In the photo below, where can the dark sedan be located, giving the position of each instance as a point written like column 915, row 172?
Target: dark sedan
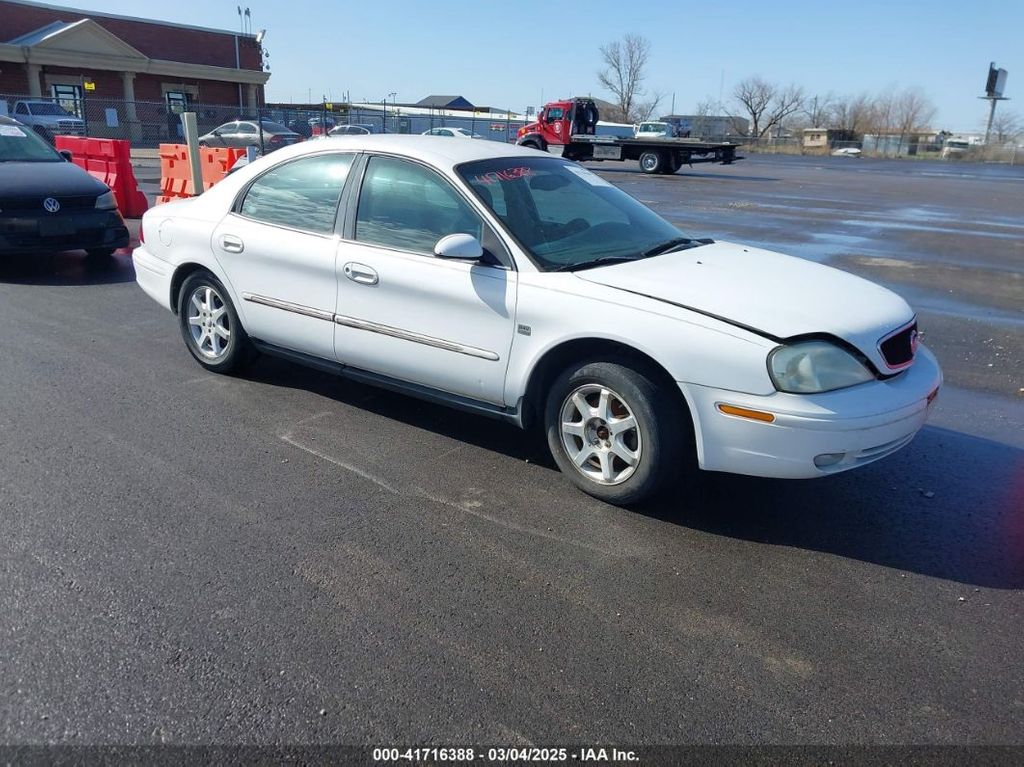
column 48, row 204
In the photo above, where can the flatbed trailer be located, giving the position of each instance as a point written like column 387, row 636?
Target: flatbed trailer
column 664, row 155
column 576, row 119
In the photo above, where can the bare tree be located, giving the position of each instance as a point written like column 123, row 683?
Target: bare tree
column 818, row 110
column 1006, row 126
column 882, row 121
column 912, row 112
column 644, row 110
column 625, row 69
column 767, row 104
column 853, row 113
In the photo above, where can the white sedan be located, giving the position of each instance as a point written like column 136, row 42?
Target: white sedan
column 524, row 287
column 451, row 133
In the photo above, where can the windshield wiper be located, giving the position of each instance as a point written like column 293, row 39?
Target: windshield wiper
column 596, row 262
column 673, row 244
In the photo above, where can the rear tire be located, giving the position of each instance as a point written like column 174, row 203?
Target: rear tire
column 615, row 431
column 653, row 161
column 209, row 324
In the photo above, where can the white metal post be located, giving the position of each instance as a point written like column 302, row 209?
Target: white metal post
column 188, row 124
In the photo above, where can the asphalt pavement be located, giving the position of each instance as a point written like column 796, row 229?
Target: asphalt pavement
column 286, row 557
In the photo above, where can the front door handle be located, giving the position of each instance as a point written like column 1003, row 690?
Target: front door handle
column 360, row 273
column 232, row 244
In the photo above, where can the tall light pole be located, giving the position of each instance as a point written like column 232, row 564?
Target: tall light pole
column 993, row 94
column 384, row 118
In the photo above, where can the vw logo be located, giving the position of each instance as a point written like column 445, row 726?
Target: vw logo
column 50, row 205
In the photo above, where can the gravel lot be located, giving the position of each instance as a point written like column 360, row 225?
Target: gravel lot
column 285, row 557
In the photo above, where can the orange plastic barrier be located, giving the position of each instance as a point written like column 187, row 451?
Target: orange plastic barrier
column 110, row 161
column 217, row 162
column 176, row 177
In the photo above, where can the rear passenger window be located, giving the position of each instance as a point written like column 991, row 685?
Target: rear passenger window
column 403, row 205
column 302, row 194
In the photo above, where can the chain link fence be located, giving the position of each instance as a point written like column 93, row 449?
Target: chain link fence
column 149, row 123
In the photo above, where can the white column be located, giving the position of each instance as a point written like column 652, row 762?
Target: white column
column 34, row 87
column 131, row 115
column 128, row 79
column 253, row 97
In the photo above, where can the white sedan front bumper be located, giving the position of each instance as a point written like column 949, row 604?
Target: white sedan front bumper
column 842, row 429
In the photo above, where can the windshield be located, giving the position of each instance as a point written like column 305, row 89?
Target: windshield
column 44, row 108
column 270, row 125
column 19, row 144
column 652, row 127
column 563, row 215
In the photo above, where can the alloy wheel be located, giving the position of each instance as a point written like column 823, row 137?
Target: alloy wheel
column 600, row 434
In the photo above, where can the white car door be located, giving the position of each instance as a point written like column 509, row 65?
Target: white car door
column 278, row 250
column 403, row 312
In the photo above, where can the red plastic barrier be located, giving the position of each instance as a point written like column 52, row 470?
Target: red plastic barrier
column 110, row 161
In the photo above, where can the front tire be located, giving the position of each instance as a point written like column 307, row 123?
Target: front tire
column 209, row 324
column 614, row 431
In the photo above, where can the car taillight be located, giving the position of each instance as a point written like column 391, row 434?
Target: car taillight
column 276, row 139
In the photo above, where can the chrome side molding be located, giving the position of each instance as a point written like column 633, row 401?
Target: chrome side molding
column 372, row 327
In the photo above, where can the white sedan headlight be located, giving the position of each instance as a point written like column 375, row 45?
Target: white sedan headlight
column 810, row 367
column 106, row 201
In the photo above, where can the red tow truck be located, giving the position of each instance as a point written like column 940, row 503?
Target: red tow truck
column 568, row 128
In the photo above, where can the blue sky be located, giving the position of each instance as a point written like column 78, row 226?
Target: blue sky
column 513, row 54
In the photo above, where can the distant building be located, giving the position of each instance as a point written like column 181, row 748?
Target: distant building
column 49, row 51
column 897, row 144
column 445, row 102
column 825, row 139
column 707, row 126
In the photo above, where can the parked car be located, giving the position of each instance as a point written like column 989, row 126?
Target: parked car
column 524, row 287
column 349, row 130
column 653, row 130
column 849, row 151
column 451, row 133
column 48, row 119
column 246, row 133
column 48, row 204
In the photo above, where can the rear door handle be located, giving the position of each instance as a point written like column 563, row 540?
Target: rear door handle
column 360, row 273
column 232, row 244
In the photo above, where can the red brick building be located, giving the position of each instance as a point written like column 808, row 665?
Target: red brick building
column 52, row 51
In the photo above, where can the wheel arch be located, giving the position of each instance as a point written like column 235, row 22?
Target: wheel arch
column 182, row 272
column 577, row 350
column 535, row 141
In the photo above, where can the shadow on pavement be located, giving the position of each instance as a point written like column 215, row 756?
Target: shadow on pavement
column 949, row 506
column 724, row 176
column 67, row 268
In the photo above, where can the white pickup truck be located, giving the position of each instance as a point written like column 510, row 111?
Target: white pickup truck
column 48, row 119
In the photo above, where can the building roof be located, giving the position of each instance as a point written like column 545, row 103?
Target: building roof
column 104, row 14
column 445, row 102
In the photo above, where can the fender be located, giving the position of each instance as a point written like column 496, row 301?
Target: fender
column 535, row 140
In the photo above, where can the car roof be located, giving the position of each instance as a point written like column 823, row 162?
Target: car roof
column 439, row 153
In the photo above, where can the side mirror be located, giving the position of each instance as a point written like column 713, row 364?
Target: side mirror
column 66, row 154
column 464, row 247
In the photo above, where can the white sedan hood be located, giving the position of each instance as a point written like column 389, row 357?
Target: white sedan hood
column 777, row 295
